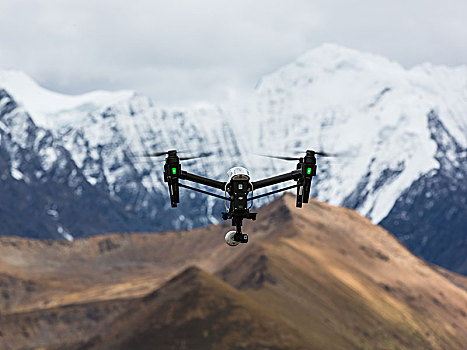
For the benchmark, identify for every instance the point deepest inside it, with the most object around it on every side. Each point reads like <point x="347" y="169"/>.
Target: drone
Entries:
<point x="238" y="189"/>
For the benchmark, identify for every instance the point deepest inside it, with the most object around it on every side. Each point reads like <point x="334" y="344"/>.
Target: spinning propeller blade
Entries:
<point x="318" y="153"/>
<point x="324" y="154"/>
<point x="279" y="157"/>
<point x="201" y="155"/>
<point x="158" y="154"/>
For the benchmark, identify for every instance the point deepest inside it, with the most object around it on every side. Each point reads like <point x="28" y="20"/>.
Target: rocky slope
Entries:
<point x="44" y="193"/>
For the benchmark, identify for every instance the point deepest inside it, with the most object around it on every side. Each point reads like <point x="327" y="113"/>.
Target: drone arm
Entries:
<point x="273" y="192"/>
<point x="201" y="191"/>
<point x="293" y="175"/>
<point x="184" y="175"/>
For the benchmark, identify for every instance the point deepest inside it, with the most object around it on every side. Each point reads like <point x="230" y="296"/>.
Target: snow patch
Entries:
<point x="62" y="231"/>
<point x="16" y="174"/>
<point x="53" y="213"/>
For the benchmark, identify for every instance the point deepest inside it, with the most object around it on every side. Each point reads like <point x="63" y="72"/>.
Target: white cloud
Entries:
<point x="187" y="50"/>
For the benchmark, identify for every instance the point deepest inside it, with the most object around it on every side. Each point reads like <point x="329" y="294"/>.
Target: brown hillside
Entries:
<point x="195" y="310"/>
<point x="322" y="275"/>
<point x="341" y="280"/>
<point x="103" y="267"/>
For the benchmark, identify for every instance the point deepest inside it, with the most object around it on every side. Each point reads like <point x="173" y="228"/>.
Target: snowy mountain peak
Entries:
<point x="335" y="57"/>
<point x="43" y="103"/>
<point x="327" y="60"/>
<point x="342" y="100"/>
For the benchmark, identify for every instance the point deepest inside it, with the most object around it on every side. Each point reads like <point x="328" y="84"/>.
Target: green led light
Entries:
<point x="174" y="171"/>
<point x="308" y="171"/>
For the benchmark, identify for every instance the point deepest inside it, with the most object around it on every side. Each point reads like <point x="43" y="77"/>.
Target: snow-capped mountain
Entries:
<point x="395" y="129"/>
<point x="365" y="107"/>
<point x="44" y="193"/>
<point x="104" y="140"/>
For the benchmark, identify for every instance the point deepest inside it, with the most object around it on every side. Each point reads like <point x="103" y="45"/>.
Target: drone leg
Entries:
<point x="174" y="196"/>
<point x="306" y="190"/>
<point x="299" y="195"/>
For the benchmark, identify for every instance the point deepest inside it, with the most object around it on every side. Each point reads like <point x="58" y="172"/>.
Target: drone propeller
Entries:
<point x="279" y="157"/>
<point x="324" y="154"/>
<point x="158" y="154"/>
<point x="201" y="155"/>
<point x="318" y="153"/>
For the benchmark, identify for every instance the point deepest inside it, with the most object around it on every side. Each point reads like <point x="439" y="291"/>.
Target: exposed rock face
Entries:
<point x="430" y="217"/>
<point x="44" y="194"/>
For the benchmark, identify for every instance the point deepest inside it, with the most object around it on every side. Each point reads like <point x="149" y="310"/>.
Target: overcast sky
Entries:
<point x="182" y="51"/>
